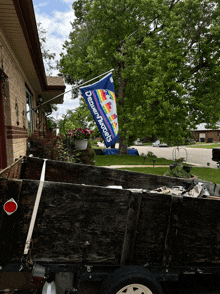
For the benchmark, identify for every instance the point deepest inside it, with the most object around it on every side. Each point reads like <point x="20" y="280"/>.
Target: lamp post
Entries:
<point x="154" y="161"/>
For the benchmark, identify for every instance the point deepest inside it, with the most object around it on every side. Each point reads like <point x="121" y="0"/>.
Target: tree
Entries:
<point x="76" y="118"/>
<point x="166" y="59"/>
<point x="48" y="57"/>
<point x="51" y="122"/>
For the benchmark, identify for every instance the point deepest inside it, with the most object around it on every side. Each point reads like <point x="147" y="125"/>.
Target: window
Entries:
<point x="29" y="106"/>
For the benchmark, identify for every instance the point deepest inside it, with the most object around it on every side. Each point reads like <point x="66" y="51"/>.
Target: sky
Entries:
<point x="55" y="17"/>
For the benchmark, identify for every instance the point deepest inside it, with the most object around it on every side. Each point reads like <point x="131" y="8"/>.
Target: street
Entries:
<point x="197" y="156"/>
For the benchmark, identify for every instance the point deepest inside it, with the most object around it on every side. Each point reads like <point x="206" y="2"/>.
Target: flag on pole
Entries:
<point x="100" y="98"/>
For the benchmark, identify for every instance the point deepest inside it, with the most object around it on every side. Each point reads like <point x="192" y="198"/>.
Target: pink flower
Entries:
<point x="80" y="133"/>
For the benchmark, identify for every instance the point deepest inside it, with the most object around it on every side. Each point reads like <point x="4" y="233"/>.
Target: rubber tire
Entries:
<point x="130" y="275"/>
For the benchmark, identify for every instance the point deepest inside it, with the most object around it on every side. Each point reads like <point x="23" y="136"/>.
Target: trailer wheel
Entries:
<point x="131" y="280"/>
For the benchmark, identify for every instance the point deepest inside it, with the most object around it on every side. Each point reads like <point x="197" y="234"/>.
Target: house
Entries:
<point x="23" y="82"/>
<point x="202" y="134"/>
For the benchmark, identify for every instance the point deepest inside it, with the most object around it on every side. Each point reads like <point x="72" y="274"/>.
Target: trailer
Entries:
<point x="90" y="229"/>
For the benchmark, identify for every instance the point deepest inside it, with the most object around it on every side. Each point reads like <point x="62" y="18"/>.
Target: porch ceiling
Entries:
<point x="18" y="22"/>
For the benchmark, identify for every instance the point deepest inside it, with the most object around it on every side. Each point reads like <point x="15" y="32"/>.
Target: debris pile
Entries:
<point x="195" y="190"/>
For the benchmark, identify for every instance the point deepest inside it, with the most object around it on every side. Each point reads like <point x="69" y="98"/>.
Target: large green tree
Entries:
<point x="48" y="57"/>
<point x="79" y="117"/>
<point x="166" y="59"/>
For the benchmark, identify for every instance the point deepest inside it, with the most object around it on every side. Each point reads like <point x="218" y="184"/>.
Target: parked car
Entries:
<point x="138" y="143"/>
<point x="158" y="144"/>
<point x="163" y="145"/>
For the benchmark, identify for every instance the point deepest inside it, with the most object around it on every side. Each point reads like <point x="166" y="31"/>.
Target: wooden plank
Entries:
<point x="71" y="216"/>
<point x="8" y="233"/>
<point x="91" y="175"/>
<point x="100" y="176"/>
<point x="12" y="171"/>
<point x="171" y="244"/>
<point x="3" y="197"/>
<point x="152" y="228"/>
<point x="32" y="168"/>
<point x="131" y="228"/>
<point x="199" y="232"/>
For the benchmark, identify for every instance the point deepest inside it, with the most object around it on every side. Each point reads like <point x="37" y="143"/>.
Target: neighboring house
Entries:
<point x="206" y="135"/>
<point x="23" y="82"/>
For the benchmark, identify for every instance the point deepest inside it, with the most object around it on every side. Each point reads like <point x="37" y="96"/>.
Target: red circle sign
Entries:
<point x="10" y="206"/>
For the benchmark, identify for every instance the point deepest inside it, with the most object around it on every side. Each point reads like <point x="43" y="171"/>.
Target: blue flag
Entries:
<point x="100" y="98"/>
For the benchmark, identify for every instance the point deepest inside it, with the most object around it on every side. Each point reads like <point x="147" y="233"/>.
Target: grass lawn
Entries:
<point x="146" y="144"/>
<point x="203" y="173"/>
<point x="205" y="145"/>
<point x="106" y="160"/>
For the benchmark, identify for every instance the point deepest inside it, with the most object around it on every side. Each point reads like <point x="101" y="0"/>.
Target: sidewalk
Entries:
<point x="151" y="165"/>
<point x="130" y="166"/>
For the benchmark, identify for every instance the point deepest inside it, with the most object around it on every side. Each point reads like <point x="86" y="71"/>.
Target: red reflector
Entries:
<point x="10" y="206"/>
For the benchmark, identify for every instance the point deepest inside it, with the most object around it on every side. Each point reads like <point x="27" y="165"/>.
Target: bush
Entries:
<point x="85" y="156"/>
<point x="55" y="148"/>
<point x="45" y="147"/>
<point x="151" y="154"/>
<point x="178" y="173"/>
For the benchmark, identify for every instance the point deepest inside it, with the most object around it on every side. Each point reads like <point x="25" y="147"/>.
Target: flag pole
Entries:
<point x="35" y="108"/>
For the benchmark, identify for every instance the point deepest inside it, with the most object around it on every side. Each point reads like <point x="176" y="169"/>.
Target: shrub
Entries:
<point x="151" y="154"/>
<point x="55" y="148"/>
<point x="178" y="173"/>
<point x="85" y="156"/>
<point x="49" y="147"/>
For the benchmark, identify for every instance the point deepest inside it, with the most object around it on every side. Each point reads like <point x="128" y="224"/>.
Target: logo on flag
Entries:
<point x="100" y="98"/>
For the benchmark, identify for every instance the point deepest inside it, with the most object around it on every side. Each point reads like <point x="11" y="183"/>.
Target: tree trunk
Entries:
<point x="123" y="147"/>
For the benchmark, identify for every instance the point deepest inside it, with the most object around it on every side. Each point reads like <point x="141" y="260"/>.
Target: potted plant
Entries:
<point x="80" y="137"/>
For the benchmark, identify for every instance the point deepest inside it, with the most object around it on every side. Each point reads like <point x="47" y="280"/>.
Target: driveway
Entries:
<point x="197" y="156"/>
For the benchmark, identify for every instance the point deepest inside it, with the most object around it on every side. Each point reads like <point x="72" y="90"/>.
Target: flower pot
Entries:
<point x="81" y="144"/>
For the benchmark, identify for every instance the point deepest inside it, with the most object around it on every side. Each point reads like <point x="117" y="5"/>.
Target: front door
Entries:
<point x="3" y="154"/>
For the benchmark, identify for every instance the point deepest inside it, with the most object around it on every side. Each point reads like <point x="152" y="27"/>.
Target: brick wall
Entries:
<point x="15" y="104"/>
<point x="214" y="134"/>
